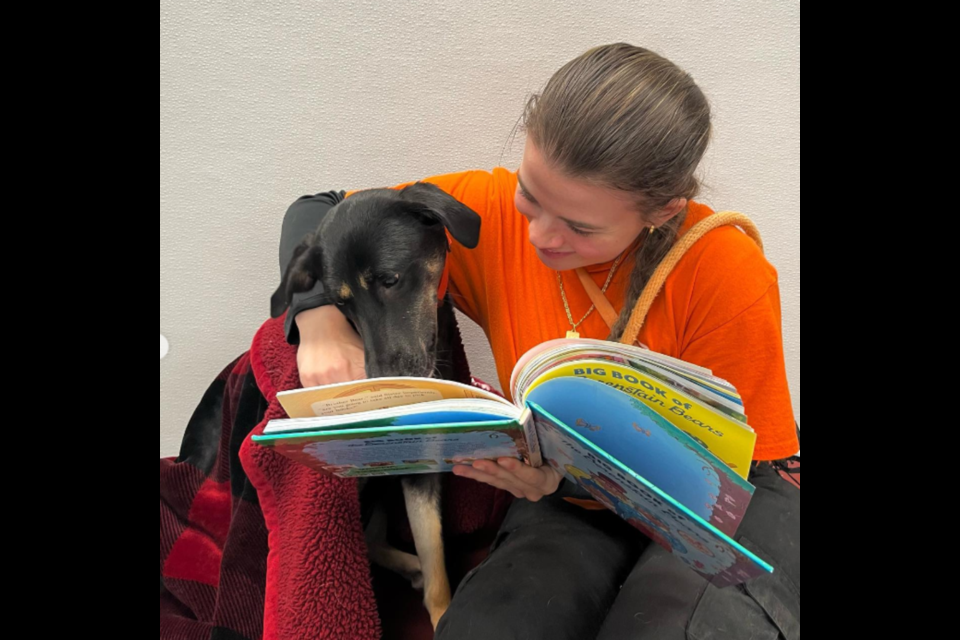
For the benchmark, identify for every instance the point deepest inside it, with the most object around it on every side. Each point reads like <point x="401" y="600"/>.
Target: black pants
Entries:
<point x="559" y="572"/>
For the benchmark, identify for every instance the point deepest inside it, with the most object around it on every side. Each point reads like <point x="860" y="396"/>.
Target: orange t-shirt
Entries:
<point x="720" y="307"/>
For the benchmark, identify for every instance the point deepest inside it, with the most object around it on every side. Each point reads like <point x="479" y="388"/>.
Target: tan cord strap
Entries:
<point x="659" y="278"/>
<point x="598" y="298"/>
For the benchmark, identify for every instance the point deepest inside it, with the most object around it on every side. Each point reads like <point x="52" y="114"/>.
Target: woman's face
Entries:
<point x="573" y="223"/>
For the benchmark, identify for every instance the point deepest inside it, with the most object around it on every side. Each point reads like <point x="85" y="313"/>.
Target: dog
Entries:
<point x="380" y="255"/>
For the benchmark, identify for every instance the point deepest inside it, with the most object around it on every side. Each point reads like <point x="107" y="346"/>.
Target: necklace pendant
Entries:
<point x="572" y="335"/>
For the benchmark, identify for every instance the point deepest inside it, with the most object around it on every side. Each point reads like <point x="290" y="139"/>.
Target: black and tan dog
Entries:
<point x="380" y="255"/>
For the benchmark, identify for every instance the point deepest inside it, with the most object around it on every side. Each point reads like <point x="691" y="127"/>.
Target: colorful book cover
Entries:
<point x="692" y="509"/>
<point x="401" y="450"/>
<point x="729" y="440"/>
<point x="697" y="387"/>
<point x="625" y="429"/>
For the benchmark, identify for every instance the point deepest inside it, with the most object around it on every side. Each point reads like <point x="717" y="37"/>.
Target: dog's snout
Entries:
<point x="401" y="363"/>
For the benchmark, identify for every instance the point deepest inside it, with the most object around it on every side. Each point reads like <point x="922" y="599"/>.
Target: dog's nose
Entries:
<point x="400" y="363"/>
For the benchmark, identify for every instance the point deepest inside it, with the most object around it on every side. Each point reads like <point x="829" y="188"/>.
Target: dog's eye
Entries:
<point x="390" y="281"/>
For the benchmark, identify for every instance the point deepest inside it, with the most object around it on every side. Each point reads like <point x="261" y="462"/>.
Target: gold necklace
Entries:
<point x="573" y="334"/>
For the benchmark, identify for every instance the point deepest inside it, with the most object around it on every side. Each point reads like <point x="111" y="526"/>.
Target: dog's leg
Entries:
<point x="390" y="558"/>
<point x="422" y="496"/>
<point x="399" y="562"/>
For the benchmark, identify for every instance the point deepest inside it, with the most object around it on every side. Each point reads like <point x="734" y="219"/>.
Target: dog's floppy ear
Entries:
<point x="302" y="274"/>
<point x="461" y="221"/>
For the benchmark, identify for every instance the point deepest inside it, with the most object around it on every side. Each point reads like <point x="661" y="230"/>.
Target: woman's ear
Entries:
<point x="669" y="212"/>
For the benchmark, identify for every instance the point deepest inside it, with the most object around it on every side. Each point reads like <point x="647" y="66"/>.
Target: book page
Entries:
<point x="369" y="395"/>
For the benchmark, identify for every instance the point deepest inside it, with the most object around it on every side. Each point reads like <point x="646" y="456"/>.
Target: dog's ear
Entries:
<point x="461" y="221"/>
<point x="302" y="274"/>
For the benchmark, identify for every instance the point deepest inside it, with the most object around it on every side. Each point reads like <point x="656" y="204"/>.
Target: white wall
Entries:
<point x="261" y="102"/>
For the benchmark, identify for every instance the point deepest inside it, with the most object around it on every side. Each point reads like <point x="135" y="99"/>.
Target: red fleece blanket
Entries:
<point x="253" y="545"/>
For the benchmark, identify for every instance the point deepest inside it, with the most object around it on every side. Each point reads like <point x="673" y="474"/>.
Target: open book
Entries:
<point x="661" y="442"/>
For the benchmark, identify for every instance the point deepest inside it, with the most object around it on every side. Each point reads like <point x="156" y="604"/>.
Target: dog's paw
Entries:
<point x="416" y="580"/>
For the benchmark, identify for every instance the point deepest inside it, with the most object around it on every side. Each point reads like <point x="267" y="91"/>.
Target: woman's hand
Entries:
<point x="330" y="350"/>
<point x="514" y="476"/>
